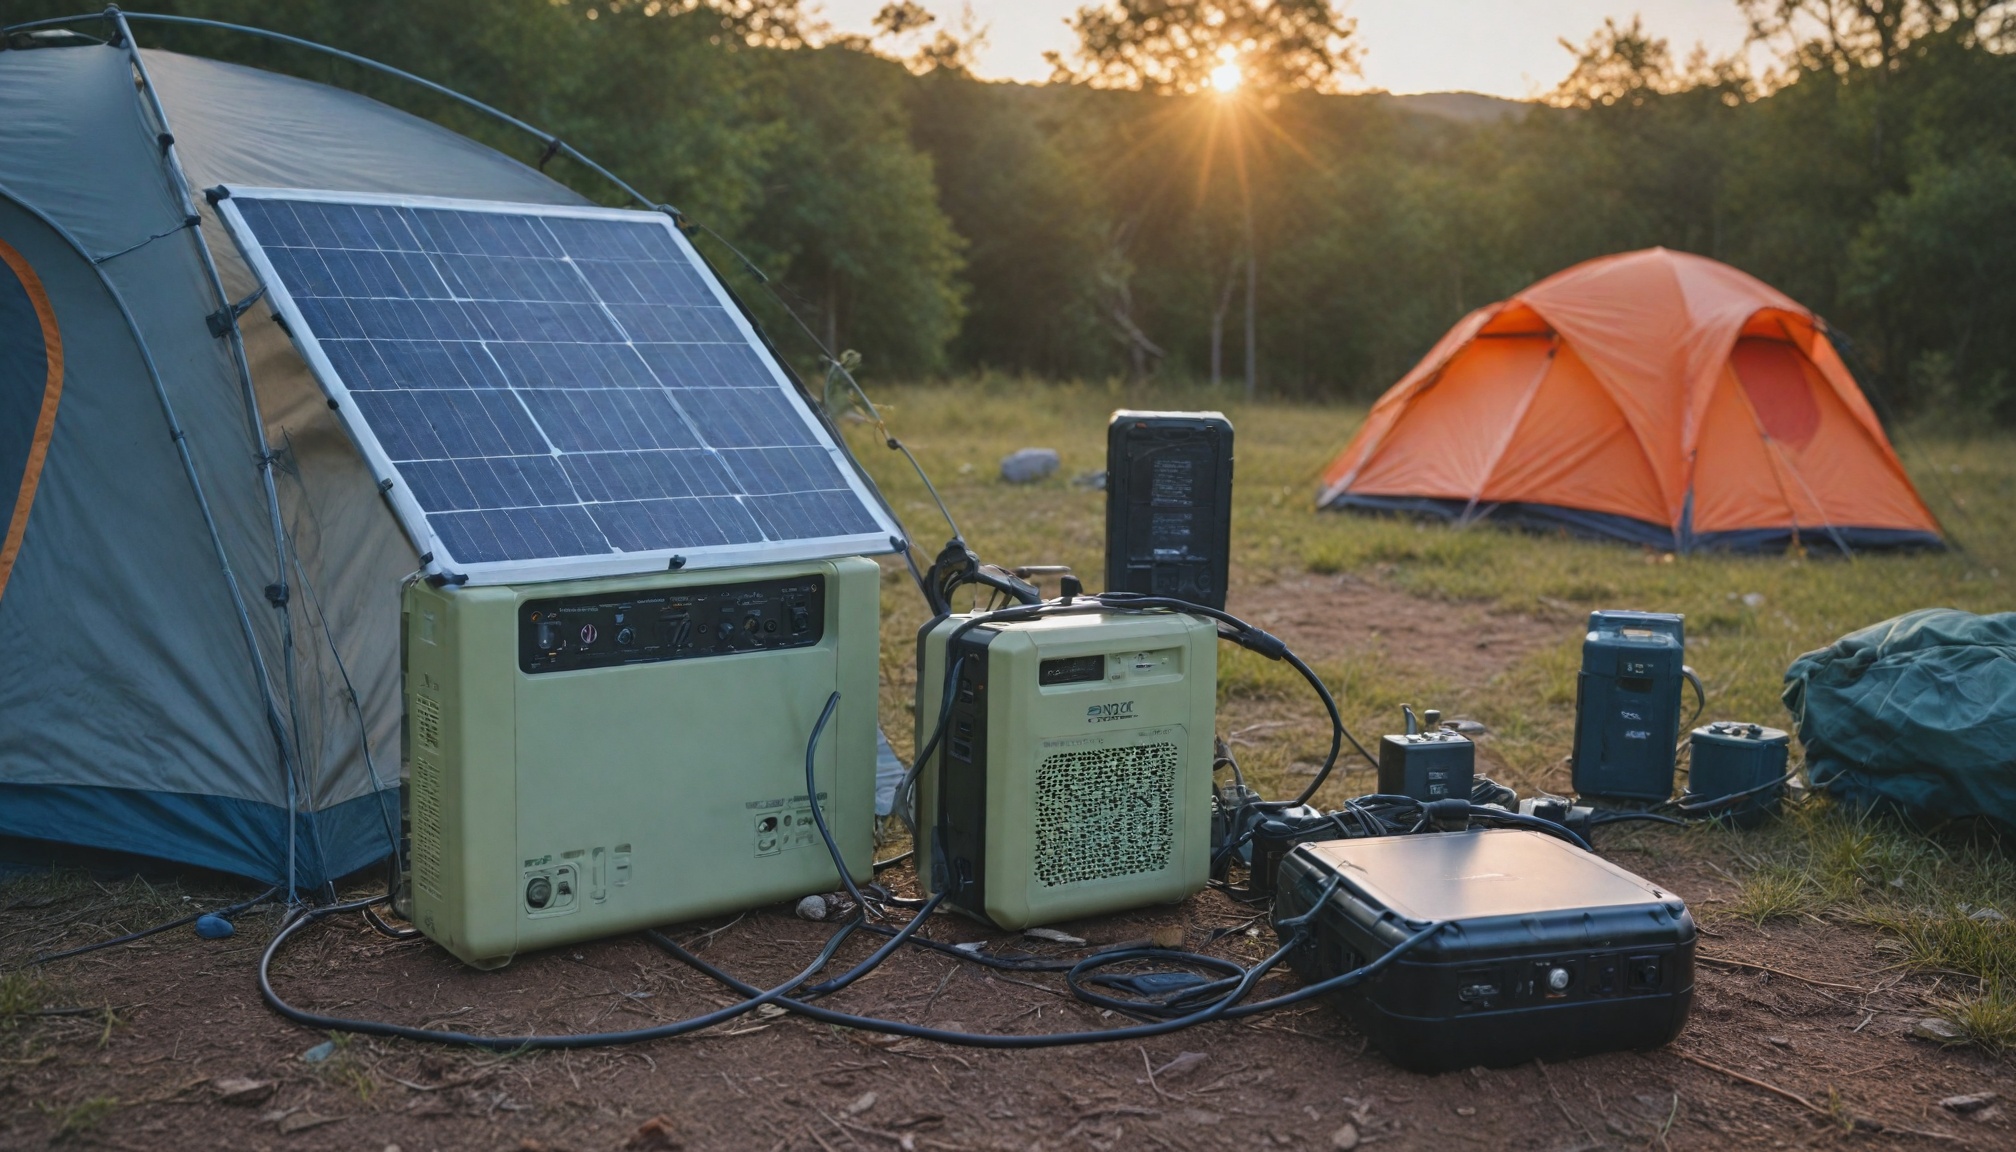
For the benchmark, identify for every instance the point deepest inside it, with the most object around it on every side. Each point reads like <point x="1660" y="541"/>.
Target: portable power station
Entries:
<point x="1546" y="951"/>
<point x="1169" y="505"/>
<point x="1727" y="758"/>
<point x="591" y="757"/>
<point x="1627" y="705"/>
<point x="1074" y="772"/>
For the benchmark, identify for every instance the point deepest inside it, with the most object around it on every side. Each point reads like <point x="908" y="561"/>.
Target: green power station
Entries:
<point x="1075" y="771"/>
<point x="592" y="757"/>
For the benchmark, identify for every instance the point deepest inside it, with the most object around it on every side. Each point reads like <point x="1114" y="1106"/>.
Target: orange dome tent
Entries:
<point x="1653" y="396"/>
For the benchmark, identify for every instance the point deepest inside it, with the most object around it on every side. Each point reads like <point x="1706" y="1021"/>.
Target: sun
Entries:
<point x="1227" y="77"/>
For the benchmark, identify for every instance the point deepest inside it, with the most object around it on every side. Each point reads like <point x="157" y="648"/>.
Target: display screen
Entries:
<point x="1071" y="670"/>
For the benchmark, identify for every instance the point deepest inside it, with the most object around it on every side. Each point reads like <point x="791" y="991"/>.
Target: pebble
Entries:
<point x="1344" y="1139"/>
<point x="1028" y="465"/>
<point x="1936" y="1030"/>
<point x="812" y="908"/>
<point x="1973" y="1102"/>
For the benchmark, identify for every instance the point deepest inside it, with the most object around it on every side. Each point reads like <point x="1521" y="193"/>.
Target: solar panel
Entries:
<point x="552" y="391"/>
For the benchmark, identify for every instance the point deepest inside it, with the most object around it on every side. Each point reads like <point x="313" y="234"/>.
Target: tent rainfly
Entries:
<point x="1656" y="397"/>
<point x="203" y="655"/>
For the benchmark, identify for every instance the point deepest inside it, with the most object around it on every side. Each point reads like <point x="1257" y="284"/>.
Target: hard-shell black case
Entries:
<point x="1518" y="907"/>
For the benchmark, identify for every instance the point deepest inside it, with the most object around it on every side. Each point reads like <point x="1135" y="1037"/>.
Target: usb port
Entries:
<point x="965" y="690"/>
<point x="962" y="750"/>
<point x="963" y="729"/>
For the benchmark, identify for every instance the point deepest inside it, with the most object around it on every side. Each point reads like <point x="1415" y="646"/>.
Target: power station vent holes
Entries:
<point x="1105" y="812"/>
<point x="426" y="817"/>
<point x="427" y="720"/>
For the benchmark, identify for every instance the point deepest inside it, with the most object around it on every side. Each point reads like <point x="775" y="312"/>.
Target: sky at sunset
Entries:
<point x="1501" y="47"/>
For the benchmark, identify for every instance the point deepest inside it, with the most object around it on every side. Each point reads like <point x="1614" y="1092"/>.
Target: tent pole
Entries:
<point x="277" y="593"/>
<point x="181" y="440"/>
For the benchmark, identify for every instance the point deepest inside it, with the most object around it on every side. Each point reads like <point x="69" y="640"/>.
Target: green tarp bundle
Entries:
<point x="1916" y="713"/>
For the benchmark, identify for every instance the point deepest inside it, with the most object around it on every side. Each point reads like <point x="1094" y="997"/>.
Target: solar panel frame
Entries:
<point x="706" y="474"/>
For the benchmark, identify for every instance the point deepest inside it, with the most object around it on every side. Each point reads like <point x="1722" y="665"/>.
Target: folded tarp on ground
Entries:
<point x="1917" y="713"/>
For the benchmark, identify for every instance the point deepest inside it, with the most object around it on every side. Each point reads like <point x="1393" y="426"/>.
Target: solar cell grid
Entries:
<point x="552" y="386"/>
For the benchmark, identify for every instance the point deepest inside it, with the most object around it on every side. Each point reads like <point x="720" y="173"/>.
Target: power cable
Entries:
<point x="227" y="913"/>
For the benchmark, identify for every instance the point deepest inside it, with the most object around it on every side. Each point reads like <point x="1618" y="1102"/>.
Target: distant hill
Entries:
<point x="1461" y="107"/>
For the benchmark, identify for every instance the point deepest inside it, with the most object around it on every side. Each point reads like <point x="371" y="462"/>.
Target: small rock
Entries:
<point x="1753" y="599"/>
<point x="1028" y="465"/>
<point x="861" y="1104"/>
<point x="1780" y="1041"/>
<point x="215" y="927"/>
<point x="1466" y="1110"/>
<point x="1052" y="935"/>
<point x="1988" y="916"/>
<point x="239" y="1090"/>
<point x="657" y="1132"/>
<point x="1168" y="936"/>
<point x="1344" y="1139"/>
<point x="393" y="1148"/>
<point x="1936" y="1030"/>
<point x="302" y="1121"/>
<point x="1096" y="481"/>
<point x="320" y="1052"/>
<point x="812" y="908"/>
<point x="1972" y="1102"/>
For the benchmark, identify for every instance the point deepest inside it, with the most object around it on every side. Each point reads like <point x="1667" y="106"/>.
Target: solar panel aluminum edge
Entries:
<point x="744" y="452"/>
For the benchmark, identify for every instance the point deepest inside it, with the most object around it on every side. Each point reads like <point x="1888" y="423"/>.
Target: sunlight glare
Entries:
<point x="1225" y="78"/>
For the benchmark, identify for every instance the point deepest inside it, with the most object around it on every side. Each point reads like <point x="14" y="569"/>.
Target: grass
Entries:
<point x="22" y="994"/>
<point x="79" y="1118"/>
<point x="1748" y="617"/>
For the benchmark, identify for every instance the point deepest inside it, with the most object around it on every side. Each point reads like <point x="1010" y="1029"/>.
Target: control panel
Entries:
<point x="569" y="633"/>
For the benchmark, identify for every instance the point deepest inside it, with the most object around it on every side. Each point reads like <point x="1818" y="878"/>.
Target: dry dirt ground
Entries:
<point x="1800" y="1035"/>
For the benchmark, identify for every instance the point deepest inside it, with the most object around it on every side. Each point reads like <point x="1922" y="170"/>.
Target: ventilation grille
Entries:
<point x="426" y="818"/>
<point x="1105" y="812"/>
<point x="427" y="721"/>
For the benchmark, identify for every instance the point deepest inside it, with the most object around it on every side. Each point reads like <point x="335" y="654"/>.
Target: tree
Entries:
<point x="1938" y="263"/>
<point x="1172" y="46"/>
<point x="850" y="223"/>
<point x="1248" y="52"/>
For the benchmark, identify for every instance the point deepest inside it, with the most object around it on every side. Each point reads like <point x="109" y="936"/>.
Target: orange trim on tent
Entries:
<point x="45" y="423"/>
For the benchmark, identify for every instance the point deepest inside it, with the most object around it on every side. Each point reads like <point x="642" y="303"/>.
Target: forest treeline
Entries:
<point x="942" y="225"/>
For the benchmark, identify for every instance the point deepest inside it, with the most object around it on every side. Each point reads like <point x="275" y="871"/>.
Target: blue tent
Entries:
<point x="199" y="580"/>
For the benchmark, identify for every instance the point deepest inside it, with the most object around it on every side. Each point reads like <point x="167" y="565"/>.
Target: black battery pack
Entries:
<point x="1434" y="765"/>
<point x="1545" y="951"/>
<point x="1169" y="504"/>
